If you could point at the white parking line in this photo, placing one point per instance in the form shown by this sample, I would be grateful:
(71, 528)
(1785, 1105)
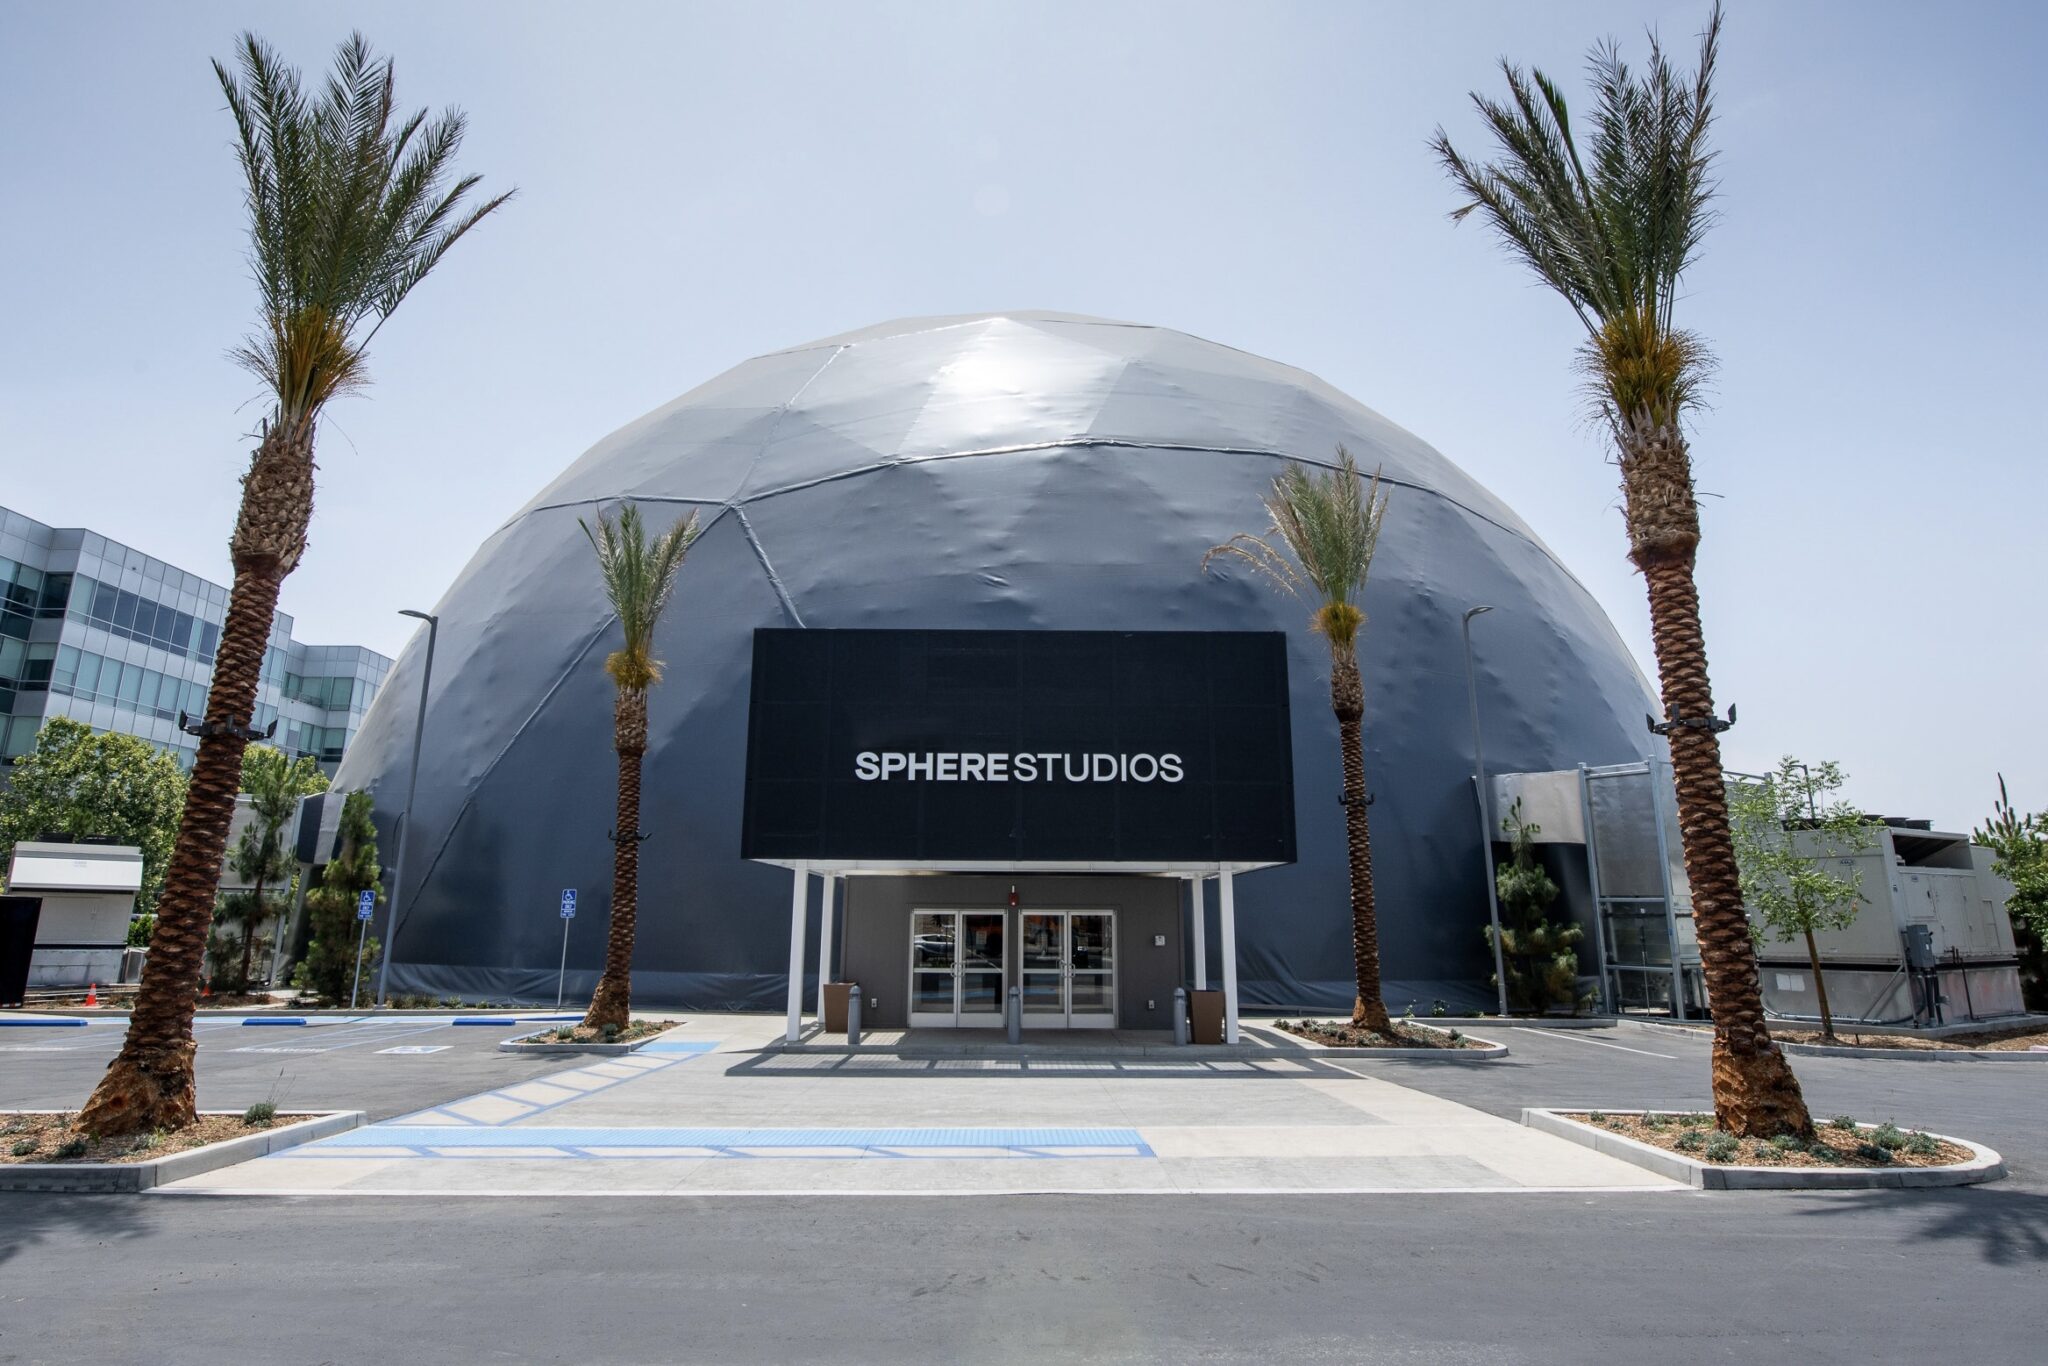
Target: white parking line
(1564, 1034)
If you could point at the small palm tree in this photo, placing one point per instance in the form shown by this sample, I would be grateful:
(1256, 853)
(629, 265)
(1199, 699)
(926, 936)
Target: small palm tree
(639, 575)
(1326, 527)
(1613, 231)
(349, 209)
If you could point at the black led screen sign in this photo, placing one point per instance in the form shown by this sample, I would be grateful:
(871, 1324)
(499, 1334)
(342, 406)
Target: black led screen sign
(1045, 747)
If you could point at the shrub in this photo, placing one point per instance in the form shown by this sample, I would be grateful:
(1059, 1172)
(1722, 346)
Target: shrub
(1789, 1143)
(1653, 1120)
(1921, 1145)
(1691, 1141)
(1842, 1122)
(262, 1112)
(1723, 1148)
(611, 1033)
(1888, 1137)
(71, 1148)
(1456, 1037)
(1438, 1009)
(1596, 1116)
(1693, 1121)
(23, 1148)
(1870, 1152)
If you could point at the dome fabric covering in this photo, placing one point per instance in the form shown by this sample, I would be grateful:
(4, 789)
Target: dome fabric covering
(1016, 471)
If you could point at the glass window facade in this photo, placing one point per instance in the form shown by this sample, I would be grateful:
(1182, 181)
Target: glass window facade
(139, 618)
(95, 630)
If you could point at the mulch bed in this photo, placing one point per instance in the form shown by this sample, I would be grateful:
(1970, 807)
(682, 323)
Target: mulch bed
(48, 1135)
(634, 1032)
(1989, 1039)
(1343, 1034)
(1836, 1143)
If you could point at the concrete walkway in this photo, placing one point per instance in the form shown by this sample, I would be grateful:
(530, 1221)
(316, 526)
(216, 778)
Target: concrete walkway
(710, 1110)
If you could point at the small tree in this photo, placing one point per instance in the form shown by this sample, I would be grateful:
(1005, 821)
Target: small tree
(2020, 842)
(79, 783)
(1537, 952)
(330, 964)
(1786, 828)
(274, 782)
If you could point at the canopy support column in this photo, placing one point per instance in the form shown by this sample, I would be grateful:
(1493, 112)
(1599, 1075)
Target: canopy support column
(1226, 906)
(1200, 935)
(826, 896)
(799, 895)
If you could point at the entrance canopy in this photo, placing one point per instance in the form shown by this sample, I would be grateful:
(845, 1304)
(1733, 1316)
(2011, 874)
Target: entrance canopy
(1162, 753)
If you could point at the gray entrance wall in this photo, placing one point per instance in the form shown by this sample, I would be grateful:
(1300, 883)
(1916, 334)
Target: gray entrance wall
(876, 933)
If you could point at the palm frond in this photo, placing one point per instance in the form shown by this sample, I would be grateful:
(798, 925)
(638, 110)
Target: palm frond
(639, 576)
(350, 207)
(1613, 228)
(1325, 530)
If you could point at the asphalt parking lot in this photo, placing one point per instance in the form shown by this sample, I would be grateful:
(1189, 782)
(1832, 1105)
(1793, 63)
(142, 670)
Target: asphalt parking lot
(385, 1065)
(1651, 1067)
(1484, 1277)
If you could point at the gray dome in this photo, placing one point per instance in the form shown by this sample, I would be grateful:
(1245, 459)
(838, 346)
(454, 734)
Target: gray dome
(1015, 470)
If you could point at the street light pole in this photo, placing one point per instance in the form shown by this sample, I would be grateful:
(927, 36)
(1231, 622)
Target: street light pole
(1500, 972)
(411, 787)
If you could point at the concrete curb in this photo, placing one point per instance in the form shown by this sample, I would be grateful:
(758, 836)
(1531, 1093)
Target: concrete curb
(518, 1044)
(1823, 1050)
(96, 1178)
(1210, 1052)
(1984, 1164)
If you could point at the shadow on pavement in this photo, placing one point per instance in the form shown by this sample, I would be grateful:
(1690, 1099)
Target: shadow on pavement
(29, 1221)
(2008, 1228)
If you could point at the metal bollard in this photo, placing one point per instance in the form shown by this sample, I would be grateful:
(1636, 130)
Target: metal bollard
(1013, 1017)
(1180, 1016)
(853, 1016)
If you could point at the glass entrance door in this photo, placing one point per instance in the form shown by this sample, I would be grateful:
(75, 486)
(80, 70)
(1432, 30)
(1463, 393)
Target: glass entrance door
(956, 968)
(1067, 969)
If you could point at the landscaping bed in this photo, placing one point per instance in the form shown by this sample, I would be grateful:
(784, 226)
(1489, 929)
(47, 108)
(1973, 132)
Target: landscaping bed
(1343, 1034)
(1989, 1041)
(1839, 1142)
(46, 1138)
(636, 1031)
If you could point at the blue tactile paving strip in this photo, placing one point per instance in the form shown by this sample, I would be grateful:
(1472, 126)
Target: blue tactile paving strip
(417, 1140)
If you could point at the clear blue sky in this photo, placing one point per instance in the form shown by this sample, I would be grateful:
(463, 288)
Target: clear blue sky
(700, 183)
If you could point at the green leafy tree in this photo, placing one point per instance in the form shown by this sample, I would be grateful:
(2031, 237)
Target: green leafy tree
(1612, 226)
(77, 783)
(274, 783)
(2020, 842)
(330, 966)
(639, 574)
(351, 203)
(1539, 954)
(1787, 829)
(1319, 548)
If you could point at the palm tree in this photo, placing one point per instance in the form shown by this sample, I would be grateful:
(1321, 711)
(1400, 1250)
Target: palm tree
(638, 577)
(349, 209)
(1613, 231)
(1327, 527)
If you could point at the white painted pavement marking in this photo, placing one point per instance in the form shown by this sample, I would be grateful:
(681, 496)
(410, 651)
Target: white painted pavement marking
(418, 1048)
(1566, 1034)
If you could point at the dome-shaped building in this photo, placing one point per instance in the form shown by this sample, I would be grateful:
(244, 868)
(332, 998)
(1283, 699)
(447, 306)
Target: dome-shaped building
(1014, 472)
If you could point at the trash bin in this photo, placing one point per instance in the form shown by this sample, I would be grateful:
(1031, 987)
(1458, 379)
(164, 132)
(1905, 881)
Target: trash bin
(1205, 1016)
(835, 1006)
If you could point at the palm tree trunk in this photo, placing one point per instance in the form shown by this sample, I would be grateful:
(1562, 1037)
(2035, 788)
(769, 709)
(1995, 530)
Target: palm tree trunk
(613, 1001)
(149, 1084)
(1755, 1093)
(1347, 700)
